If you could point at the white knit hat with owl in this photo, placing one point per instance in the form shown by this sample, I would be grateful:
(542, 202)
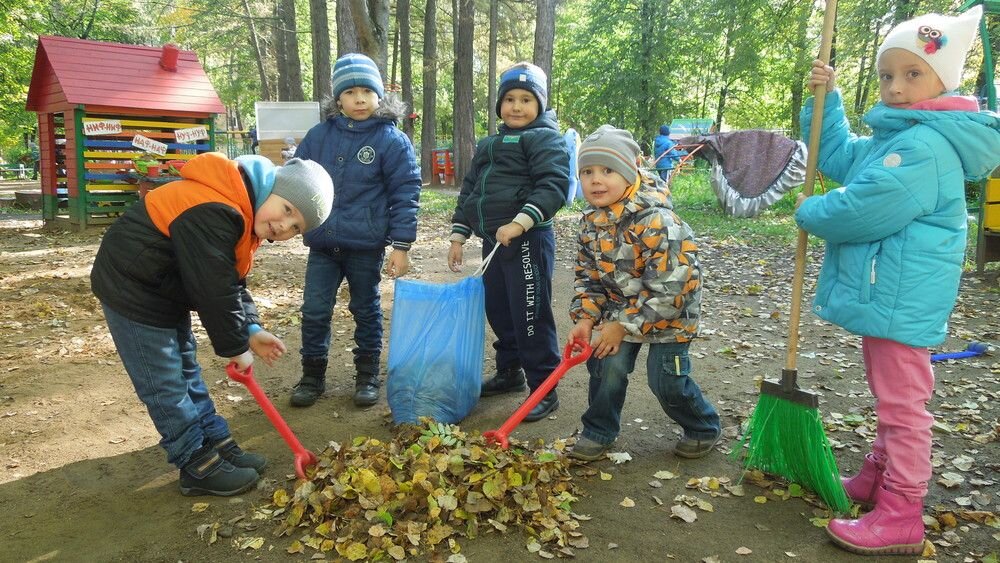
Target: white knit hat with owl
(941, 41)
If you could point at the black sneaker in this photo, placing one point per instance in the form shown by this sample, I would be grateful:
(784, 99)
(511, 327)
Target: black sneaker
(507, 380)
(544, 408)
(234, 454)
(208, 474)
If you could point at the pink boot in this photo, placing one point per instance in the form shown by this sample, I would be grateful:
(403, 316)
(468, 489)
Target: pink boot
(862, 487)
(894, 527)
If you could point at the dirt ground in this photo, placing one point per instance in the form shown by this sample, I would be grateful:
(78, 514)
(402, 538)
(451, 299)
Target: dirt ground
(82, 477)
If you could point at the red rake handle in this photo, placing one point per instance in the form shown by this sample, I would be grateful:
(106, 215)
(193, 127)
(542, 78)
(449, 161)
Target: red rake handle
(499, 436)
(303, 457)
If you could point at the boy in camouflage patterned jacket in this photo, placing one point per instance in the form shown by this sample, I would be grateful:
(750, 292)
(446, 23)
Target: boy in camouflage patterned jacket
(637, 281)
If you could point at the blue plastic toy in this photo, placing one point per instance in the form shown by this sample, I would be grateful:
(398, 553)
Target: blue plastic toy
(972, 350)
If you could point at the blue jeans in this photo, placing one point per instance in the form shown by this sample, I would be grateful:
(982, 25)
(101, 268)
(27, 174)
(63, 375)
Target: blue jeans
(668, 368)
(325, 270)
(164, 370)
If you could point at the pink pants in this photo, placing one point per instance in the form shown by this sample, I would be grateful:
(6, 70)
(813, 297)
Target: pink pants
(901, 380)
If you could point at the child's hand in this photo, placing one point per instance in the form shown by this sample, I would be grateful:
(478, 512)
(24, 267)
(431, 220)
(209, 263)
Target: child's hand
(243, 361)
(509, 232)
(583, 329)
(267, 346)
(609, 339)
(799, 199)
(455, 256)
(822, 75)
(399, 263)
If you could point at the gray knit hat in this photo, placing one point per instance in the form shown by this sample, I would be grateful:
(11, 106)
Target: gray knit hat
(613, 148)
(307, 186)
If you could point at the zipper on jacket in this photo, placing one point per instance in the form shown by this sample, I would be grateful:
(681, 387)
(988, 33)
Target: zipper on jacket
(482, 192)
(872, 260)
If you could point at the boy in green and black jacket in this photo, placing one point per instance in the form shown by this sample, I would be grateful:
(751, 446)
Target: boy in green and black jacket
(517, 181)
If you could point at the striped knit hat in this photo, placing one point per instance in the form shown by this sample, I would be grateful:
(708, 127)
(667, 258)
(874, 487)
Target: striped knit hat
(355, 69)
(612, 148)
(525, 76)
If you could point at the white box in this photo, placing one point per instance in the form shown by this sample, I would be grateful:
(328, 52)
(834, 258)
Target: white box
(277, 120)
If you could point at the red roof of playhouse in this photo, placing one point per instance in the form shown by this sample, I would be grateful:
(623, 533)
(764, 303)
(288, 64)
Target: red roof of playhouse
(70, 72)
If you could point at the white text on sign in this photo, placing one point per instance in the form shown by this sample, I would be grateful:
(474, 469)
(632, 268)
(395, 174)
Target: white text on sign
(147, 144)
(192, 134)
(103, 127)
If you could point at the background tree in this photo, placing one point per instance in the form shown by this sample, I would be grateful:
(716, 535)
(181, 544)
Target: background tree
(545, 33)
(430, 64)
(465, 135)
(321, 63)
(371, 22)
(347, 34)
(406, 65)
(289, 63)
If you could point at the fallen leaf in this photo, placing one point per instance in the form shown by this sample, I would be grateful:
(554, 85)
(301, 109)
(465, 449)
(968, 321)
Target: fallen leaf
(683, 512)
(619, 457)
(627, 503)
(743, 551)
(199, 507)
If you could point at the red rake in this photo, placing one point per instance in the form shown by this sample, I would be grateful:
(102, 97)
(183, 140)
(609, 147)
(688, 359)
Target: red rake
(499, 436)
(303, 457)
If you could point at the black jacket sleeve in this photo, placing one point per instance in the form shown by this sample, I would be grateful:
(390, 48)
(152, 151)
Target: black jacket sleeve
(204, 239)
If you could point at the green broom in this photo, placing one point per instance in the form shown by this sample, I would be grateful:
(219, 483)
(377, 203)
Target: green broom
(785, 435)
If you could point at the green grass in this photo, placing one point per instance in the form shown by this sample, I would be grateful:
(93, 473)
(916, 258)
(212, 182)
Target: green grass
(438, 204)
(693, 200)
(15, 210)
(696, 203)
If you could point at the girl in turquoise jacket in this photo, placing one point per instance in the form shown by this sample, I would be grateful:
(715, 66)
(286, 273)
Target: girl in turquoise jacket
(895, 236)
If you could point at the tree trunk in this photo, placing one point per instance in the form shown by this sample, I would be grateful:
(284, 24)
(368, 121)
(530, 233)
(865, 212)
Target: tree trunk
(803, 62)
(464, 133)
(347, 34)
(428, 127)
(280, 56)
(371, 22)
(320, 50)
(720, 107)
(395, 54)
(406, 63)
(492, 73)
(645, 95)
(862, 103)
(293, 64)
(545, 34)
(265, 91)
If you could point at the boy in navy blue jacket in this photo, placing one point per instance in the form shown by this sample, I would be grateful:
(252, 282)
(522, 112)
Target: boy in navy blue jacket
(516, 183)
(377, 178)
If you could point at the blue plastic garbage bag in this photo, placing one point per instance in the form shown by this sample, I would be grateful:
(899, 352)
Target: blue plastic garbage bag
(436, 340)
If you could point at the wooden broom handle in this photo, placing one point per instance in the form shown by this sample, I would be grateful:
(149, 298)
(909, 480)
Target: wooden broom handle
(815, 130)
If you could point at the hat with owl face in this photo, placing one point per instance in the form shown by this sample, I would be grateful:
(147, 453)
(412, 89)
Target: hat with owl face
(941, 41)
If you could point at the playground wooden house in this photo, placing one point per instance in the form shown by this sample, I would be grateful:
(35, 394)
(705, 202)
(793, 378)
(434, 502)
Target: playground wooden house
(102, 105)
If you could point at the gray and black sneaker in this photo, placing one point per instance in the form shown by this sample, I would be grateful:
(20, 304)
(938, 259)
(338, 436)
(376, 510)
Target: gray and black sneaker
(208, 474)
(586, 449)
(691, 448)
(234, 454)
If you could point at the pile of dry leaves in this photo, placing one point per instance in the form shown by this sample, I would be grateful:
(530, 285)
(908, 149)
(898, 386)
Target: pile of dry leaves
(421, 491)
